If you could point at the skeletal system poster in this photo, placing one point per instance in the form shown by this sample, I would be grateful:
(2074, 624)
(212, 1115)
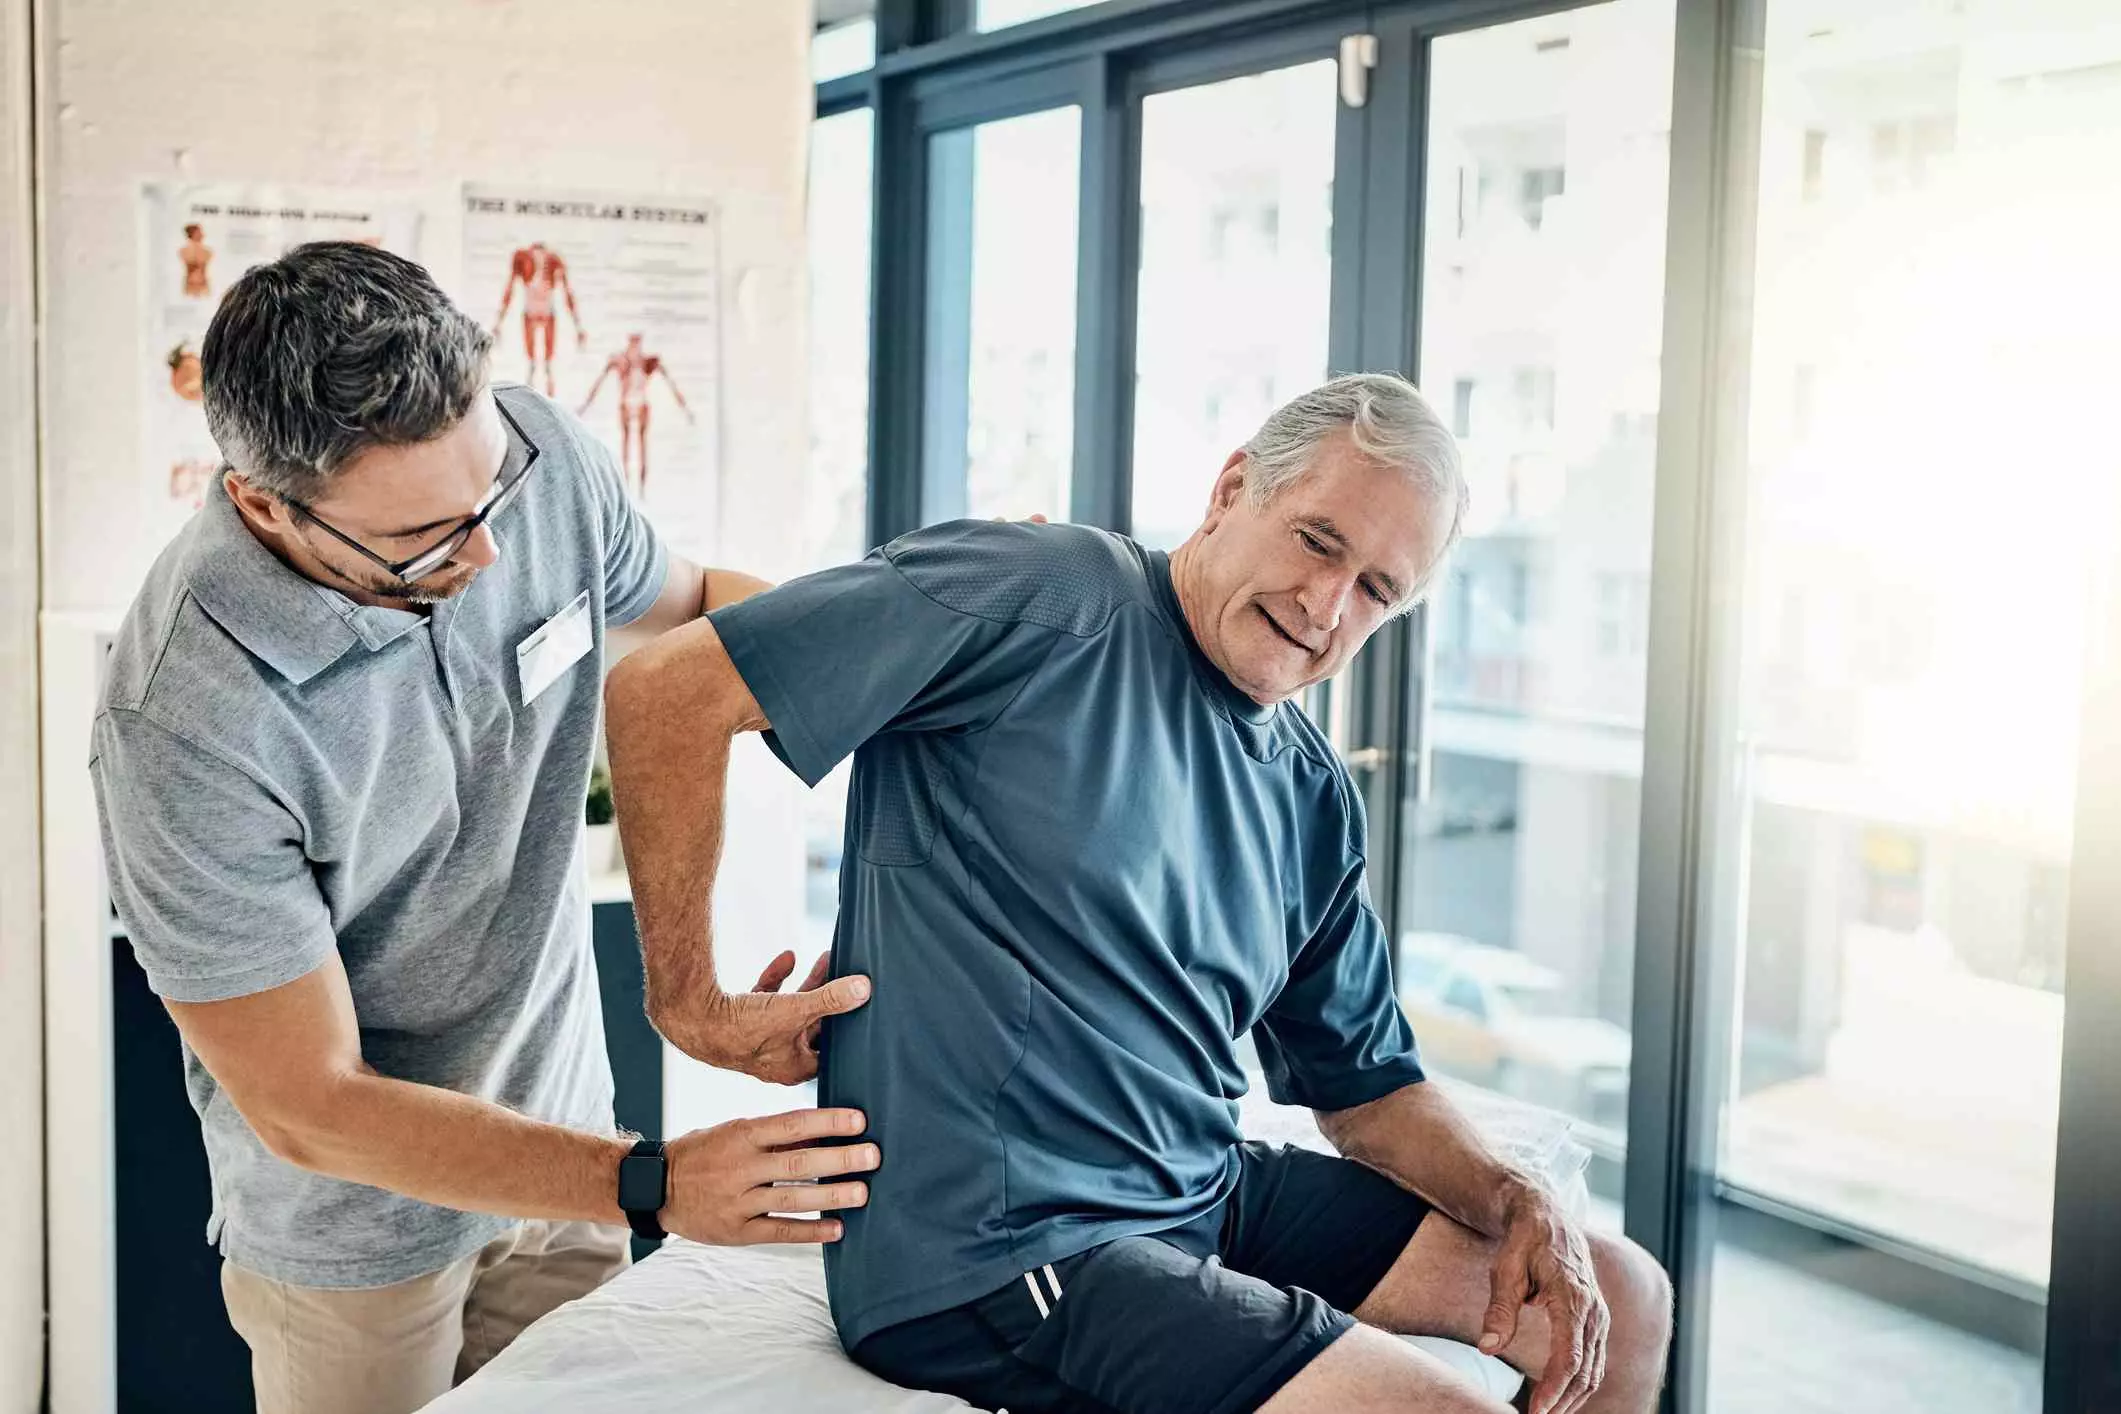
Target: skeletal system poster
(199, 241)
(610, 305)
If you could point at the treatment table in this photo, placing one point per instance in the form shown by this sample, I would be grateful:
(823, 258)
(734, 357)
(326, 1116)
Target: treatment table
(746, 1328)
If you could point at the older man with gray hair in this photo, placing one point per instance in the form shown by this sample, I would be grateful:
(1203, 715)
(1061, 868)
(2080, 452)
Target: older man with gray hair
(341, 761)
(1092, 844)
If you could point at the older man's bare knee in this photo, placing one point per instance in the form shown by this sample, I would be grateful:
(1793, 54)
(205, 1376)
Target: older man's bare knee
(1369, 1372)
(1639, 1295)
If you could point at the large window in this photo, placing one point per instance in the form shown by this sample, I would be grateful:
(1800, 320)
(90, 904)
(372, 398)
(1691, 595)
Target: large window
(1927, 499)
(999, 14)
(1236, 266)
(1542, 279)
(835, 491)
(836, 496)
(1001, 317)
(846, 47)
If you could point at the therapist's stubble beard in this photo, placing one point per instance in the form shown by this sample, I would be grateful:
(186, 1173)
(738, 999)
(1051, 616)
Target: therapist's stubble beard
(445, 583)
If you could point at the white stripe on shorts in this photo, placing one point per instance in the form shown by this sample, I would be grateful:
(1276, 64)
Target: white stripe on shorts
(1038, 1296)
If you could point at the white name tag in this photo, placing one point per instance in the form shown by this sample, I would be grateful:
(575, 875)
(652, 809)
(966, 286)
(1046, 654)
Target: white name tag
(552, 648)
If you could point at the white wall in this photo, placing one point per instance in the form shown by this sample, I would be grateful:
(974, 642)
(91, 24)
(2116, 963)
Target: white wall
(680, 96)
(21, 1030)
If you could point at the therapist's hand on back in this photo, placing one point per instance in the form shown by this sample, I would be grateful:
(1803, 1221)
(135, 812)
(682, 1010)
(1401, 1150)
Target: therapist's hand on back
(732, 1185)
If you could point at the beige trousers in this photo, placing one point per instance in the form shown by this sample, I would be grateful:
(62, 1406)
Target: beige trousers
(391, 1349)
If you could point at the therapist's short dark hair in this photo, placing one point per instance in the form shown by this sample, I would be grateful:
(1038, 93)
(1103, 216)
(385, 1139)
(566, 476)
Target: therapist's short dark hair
(333, 349)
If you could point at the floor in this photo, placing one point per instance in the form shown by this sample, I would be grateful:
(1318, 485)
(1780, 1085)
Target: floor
(1784, 1342)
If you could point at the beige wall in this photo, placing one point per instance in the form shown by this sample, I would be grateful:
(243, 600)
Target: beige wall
(683, 96)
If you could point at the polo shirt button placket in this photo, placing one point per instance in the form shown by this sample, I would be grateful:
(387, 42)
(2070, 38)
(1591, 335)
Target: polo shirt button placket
(439, 619)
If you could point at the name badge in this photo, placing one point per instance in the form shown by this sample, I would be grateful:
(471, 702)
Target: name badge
(552, 648)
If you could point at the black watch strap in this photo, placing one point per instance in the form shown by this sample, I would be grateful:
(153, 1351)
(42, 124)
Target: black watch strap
(644, 1186)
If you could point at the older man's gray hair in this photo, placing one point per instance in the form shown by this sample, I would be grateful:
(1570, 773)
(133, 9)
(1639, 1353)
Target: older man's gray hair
(1389, 421)
(330, 350)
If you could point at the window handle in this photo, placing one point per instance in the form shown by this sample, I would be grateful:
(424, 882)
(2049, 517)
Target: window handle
(1366, 758)
(1358, 55)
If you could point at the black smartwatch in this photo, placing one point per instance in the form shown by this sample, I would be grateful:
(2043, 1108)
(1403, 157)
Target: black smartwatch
(644, 1186)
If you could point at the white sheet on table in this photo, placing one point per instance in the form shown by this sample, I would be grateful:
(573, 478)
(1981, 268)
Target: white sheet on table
(747, 1328)
(720, 1328)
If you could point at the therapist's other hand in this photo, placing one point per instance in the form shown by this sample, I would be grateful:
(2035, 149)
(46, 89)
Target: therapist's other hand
(767, 1032)
(732, 1185)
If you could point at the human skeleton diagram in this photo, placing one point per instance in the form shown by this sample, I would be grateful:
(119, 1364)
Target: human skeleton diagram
(634, 368)
(539, 269)
(197, 256)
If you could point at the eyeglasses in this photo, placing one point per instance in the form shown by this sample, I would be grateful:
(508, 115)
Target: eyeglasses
(505, 488)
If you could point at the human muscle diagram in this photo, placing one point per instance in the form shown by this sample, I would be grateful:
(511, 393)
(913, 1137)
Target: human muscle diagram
(635, 282)
(540, 271)
(633, 367)
(198, 258)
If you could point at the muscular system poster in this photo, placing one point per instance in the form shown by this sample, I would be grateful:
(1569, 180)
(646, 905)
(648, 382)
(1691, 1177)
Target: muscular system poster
(198, 240)
(610, 305)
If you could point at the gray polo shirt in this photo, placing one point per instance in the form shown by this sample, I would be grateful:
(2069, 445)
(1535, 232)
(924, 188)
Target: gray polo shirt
(282, 772)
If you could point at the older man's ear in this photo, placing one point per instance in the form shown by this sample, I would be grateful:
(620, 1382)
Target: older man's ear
(1229, 486)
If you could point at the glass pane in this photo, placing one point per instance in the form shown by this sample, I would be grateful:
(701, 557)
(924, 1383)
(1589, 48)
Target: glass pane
(835, 491)
(1236, 270)
(998, 433)
(842, 49)
(1936, 322)
(1542, 305)
(836, 501)
(997, 14)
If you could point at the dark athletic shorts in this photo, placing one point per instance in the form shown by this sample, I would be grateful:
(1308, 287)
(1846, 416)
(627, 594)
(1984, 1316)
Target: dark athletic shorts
(1209, 1318)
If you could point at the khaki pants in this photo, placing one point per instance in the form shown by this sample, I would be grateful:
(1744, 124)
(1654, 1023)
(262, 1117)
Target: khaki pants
(391, 1349)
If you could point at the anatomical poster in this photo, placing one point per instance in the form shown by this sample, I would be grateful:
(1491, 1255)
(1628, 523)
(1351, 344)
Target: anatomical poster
(609, 305)
(198, 239)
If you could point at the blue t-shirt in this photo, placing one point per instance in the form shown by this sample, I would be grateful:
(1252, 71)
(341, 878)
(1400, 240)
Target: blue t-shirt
(1080, 865)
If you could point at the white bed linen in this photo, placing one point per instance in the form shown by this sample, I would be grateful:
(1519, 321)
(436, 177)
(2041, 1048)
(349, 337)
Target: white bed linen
(747, 1329)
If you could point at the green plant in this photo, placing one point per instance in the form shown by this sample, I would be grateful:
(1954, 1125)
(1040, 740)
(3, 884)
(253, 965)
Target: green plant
(599, 809)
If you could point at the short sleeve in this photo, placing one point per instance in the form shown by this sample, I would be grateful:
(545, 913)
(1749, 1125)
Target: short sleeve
(837, 657)
(635, 560)
(1335, 1036)
(205, 866)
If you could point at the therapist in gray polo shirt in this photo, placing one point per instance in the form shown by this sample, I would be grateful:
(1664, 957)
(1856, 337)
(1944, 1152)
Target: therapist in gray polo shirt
(340, 763)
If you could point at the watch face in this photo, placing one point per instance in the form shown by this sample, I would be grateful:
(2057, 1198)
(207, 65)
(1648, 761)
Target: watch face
(641, 1183)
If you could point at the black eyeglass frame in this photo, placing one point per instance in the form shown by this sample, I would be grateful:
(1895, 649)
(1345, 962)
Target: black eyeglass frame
(443, 551)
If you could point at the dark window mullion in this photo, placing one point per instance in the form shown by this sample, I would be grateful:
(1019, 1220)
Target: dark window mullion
(1101, 485)
(944, 18)
(898, 271)
(2084, 1286)
(1375, 328)
(1683, 993)
(835, 96)
(900, 24)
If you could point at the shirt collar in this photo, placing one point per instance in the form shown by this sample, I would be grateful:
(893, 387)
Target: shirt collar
(293, 624)
(1226, 694)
